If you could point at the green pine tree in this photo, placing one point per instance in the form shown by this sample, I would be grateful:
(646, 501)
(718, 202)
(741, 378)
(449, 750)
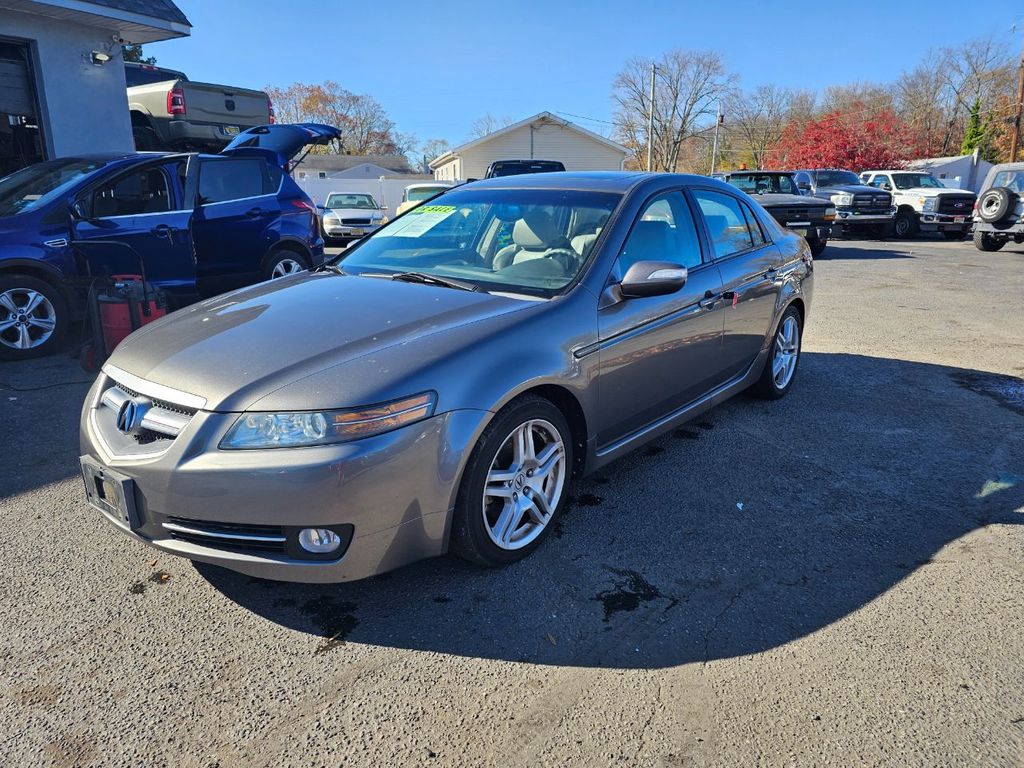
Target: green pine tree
(978, 134)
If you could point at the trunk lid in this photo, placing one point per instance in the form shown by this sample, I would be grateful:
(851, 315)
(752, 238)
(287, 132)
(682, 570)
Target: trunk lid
(282, 141)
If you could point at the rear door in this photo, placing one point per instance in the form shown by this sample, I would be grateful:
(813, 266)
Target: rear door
(659, 353)
(142, 209)
(236, 206)
(281, 142)
(749, 265)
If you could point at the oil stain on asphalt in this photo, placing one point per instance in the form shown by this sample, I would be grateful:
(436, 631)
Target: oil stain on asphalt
(334, 620)
(629, 592)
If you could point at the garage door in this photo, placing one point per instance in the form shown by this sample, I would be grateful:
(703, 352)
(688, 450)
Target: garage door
(15, 86)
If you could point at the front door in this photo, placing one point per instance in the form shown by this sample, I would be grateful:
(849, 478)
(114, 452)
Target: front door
(235, 210)
(749, 266)
(659, 353)
(136, 225)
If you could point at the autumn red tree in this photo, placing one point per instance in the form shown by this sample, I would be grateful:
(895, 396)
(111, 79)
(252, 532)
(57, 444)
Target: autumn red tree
(857, 139)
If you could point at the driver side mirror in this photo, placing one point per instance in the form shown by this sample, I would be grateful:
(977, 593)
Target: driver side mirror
(652, 278)
(78, 211)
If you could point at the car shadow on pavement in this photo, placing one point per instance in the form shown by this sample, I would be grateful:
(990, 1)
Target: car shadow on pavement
(755, 525)
(839, 250)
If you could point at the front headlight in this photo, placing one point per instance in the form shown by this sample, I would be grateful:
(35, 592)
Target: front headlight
(842, 198)
(830, 213)
(305, 428)
(928, 203)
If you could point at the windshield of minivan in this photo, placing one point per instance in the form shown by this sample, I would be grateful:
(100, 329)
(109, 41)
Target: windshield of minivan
(764, 183)
(836, 178)
(533, 242)
(913, 180)
(351, 201)
(37, 185)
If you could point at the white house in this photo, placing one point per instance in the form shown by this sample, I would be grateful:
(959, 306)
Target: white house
(62, 89)
(541, 137)
(962, 172)
(352, 166)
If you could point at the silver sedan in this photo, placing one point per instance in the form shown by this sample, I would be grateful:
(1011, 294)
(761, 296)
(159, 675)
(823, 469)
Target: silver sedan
(440, 386)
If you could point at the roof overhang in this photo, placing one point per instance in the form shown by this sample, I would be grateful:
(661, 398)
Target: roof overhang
(131, 27)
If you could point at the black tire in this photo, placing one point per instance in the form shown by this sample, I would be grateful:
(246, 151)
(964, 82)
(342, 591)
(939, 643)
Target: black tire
(767, 387)
(952, 234)
(905, 225)
(996, 204)
(145, 138)
(469, 537)
(818, 247)
(983, 241)
(16, 288)
(282, 256)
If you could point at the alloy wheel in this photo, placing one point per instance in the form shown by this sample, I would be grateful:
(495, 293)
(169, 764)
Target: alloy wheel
(524, 484)
(286, 267)
(27, 318)
(787, 350)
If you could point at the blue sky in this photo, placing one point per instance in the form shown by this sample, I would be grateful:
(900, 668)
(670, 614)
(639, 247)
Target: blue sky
(436, 67)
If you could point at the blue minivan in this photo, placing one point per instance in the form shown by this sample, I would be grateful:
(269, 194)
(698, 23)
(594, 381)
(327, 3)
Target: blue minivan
(203, 224)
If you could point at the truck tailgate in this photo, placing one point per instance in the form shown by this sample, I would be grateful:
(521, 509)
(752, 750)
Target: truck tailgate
(209, 103)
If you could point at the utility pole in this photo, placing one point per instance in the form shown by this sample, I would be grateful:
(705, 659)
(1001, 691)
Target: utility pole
(1015, 136)
(650, 117)
(714, 147)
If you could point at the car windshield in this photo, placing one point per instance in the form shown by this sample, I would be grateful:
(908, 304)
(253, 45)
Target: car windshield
(914, 180)
(1012, 179)
(836, 178)
(351, 201)
(764, 183)
(35, 186)
(422, 193)
(532, 242)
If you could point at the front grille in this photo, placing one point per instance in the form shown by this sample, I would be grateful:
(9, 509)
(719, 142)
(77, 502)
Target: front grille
(797, 213)
(871, 202)
(356, 222)
(153, 425)
(229, 536)
(956, 205)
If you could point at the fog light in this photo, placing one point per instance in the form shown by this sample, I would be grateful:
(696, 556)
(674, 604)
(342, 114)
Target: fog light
(319, 540)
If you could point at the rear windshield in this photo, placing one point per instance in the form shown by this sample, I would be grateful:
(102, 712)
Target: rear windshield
(764, 183)
(35, 186)
(514, 169)
(146, 74)
(836, 178)
(1012, 179)
(351, 201)
(422, 193)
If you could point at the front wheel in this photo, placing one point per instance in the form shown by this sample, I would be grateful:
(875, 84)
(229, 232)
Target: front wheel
(515, 484)
(780, 367)
(983, 241)
(905, 225)
(818, 247)
(33, 317)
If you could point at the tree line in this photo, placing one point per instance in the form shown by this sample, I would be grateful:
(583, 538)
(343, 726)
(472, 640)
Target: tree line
(956, 100)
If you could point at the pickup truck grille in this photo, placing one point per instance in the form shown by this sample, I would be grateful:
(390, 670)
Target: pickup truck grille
(956, 205)
(784, 215)
(872, 202)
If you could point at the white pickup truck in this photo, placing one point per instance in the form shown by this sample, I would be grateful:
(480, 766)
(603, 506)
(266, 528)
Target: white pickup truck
(923, 204)
(169, 111)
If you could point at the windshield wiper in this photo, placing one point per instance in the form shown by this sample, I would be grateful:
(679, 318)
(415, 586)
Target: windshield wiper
(329, 267)
(427, 279)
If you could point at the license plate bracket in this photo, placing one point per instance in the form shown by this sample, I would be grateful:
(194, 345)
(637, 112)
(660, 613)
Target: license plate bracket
(231, 130)
(959, 219)
(110, 492)
(357, 232)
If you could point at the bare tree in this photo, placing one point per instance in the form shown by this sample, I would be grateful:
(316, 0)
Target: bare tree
(687, 88)
(756, 121)
(488, 124)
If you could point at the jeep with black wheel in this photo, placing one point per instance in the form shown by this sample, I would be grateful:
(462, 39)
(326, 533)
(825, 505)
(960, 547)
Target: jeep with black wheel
(999, 212)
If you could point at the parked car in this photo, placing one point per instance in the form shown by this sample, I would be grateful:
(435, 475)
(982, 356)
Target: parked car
(778, 194)
(415, 194)
(999, 212)
(516, 167)
(859, 209)
(169, 111)
(432, 390)
(204, 224)
(350, 216)
(923, 204)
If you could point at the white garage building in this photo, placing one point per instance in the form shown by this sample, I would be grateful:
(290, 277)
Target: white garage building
(541, 137)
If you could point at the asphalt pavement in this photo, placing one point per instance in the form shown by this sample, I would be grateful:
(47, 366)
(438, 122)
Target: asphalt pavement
(832, 579)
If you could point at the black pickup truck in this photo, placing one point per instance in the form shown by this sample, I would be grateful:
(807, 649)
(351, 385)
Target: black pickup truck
(777, 193)
(859, 208)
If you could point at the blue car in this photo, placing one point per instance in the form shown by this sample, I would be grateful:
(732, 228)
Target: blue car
(203, 224)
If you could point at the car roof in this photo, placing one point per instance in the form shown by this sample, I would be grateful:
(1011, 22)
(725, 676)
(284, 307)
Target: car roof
(585, 181)
(753, 170)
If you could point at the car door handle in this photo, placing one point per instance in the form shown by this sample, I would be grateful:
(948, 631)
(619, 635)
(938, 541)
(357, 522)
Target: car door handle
(771, 273)
(162, 230)
(709, 300)
(252, 213)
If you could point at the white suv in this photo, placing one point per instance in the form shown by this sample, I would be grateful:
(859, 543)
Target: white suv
(923, 204)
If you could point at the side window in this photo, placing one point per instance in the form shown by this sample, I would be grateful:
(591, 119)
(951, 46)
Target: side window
(880, 181)
(143, 191)
(755, 227)
(234, 179)
(726, 222)
(803, 178)
(664, 231)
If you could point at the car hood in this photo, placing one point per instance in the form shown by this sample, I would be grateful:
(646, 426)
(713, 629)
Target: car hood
(933, 192)
(858, 189)
(769, 199)
(238, 348)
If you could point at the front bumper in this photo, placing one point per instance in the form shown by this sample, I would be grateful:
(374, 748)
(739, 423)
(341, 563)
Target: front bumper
(944, 222)
(349, 231)
(391, 494)
(846, 216)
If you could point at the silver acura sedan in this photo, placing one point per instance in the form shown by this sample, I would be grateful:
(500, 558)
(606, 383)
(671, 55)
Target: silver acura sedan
(442, 384)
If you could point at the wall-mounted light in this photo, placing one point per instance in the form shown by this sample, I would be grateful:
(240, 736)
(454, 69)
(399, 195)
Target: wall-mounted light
(99, 58)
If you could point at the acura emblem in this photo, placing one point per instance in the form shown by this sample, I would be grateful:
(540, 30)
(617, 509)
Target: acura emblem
(126, 416)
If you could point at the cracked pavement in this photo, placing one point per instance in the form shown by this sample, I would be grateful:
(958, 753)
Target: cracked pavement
(863, 607)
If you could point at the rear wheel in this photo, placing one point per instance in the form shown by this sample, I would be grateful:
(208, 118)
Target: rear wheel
(33, 317)
(515, 484)
(780, 367)
(983, 241)
(145, 138)
(284, 262)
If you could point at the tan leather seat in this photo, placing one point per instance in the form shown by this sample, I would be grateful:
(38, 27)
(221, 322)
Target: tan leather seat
(533, 237)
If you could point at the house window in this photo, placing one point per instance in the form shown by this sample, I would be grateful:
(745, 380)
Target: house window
(302, 175)
(322, 175)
